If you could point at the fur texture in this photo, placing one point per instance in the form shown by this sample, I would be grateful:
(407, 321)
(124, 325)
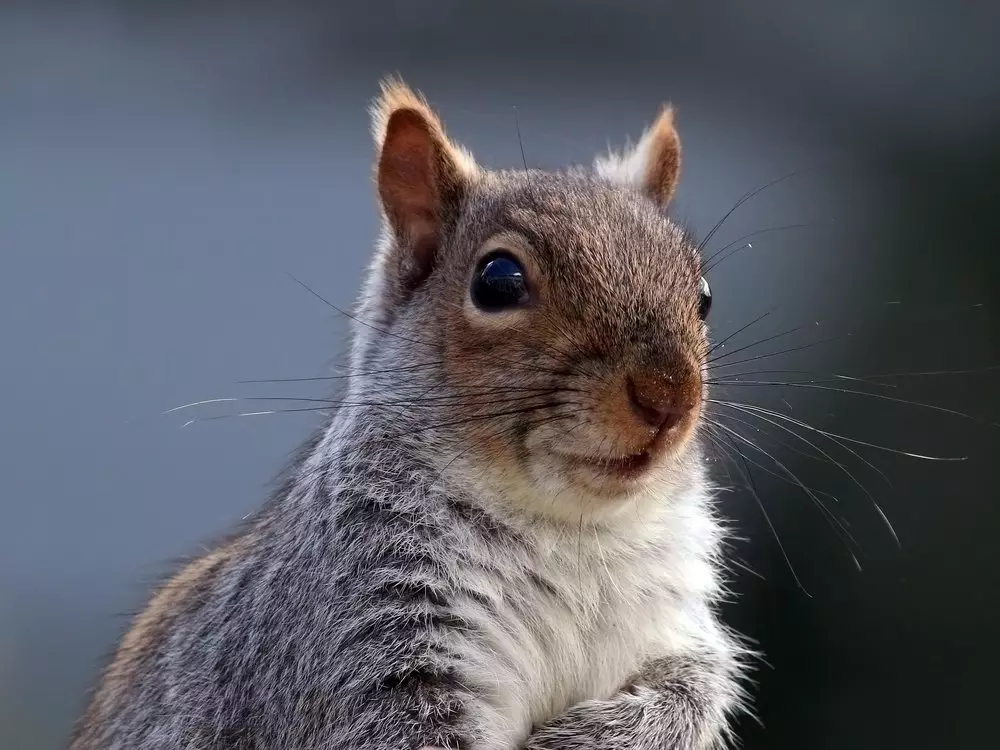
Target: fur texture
(438, 571)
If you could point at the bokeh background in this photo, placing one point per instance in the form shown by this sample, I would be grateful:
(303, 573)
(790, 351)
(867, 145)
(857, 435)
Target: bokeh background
(164, 167)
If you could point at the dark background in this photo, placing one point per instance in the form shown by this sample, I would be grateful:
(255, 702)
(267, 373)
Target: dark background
(164, 166)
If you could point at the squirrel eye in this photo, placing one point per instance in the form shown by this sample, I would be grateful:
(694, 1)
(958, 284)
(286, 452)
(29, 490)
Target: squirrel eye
(705, 303)
(499, 283)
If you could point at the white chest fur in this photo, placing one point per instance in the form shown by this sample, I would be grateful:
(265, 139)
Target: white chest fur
(589, 608)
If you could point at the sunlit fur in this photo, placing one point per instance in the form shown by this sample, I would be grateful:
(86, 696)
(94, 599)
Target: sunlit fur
(431, 573)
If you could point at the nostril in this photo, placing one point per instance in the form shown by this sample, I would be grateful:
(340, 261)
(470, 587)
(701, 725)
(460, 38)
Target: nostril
(654, 403)
(671, 418)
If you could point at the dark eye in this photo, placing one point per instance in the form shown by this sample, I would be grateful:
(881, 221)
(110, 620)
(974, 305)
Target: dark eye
(705, 303)
(499, 283)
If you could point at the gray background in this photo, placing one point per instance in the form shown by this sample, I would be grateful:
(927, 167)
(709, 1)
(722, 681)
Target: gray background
(164, 166)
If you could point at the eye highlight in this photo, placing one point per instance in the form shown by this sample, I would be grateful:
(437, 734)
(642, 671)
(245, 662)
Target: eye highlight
(705, 302)
(499, 283)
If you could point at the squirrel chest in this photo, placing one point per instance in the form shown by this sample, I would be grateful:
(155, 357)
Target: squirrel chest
(568, 619)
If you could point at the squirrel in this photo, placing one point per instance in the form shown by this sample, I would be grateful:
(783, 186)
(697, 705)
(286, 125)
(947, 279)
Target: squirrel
(504, 537)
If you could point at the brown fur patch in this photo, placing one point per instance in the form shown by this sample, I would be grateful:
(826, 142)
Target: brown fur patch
(409, 185)
(396, 95)
(663, 162)
(421, 178)
(148, 628)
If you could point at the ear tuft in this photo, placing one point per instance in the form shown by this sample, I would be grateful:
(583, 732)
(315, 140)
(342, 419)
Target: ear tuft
(421, 178)
(396, 95)
(653, 165)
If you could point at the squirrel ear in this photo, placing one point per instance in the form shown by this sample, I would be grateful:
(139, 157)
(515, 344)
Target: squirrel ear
(653, 165)
(421, 177)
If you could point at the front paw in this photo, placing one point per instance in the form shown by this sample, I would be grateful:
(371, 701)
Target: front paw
(615, 724)
(639, 718)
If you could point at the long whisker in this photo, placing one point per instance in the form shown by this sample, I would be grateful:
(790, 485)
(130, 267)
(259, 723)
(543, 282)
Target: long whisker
(744, 567)
(779, 415)
(776, 475)
(557, 355)
(799, 451)
(356, 319)
(566, 357)
(852, 392)
(737, 332)
(827, 377)
(751, 485)
(837, 523)
(347, 374)
(264, 412)
(520, 141)
(480, 417)
(416, 401)
(317, 295)
(830, 458)
(713, 361)
(791, 350)
(799, 423)
(513, 428)
(203, 402)
(969, 371)
(740, 202)
(707, 265)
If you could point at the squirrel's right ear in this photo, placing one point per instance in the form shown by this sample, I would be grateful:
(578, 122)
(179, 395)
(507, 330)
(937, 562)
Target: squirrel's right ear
(421, 175)
(653, 165)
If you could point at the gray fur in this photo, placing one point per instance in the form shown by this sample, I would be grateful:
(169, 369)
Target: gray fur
(410, 585)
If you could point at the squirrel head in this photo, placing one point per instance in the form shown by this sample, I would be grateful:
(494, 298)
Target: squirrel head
(543, 333)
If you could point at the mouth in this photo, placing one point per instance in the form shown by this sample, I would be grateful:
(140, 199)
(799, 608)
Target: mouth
(625, 468)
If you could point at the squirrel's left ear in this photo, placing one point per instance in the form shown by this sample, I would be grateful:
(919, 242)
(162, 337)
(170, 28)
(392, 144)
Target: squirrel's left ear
(653, 165)
(421, 175)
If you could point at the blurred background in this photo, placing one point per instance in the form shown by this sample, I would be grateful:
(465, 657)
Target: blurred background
(165, 166)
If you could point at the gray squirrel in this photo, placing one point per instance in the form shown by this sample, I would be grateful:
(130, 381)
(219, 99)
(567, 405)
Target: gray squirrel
(504, 537)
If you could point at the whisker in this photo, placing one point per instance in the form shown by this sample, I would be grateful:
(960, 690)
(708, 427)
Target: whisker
(317, 295)
(520, 141)
(707, 265)
(481, 417)
(330, 406)
(830, 458)
(787, 445)
(513, 428)
(318, 409)
(740, 202)
(415, 401)
(927, 373)
(203, 402)
(854, 441)
(712, 366)
(578, 368)
(736, 333)
(775, 474)
(743, 566)
(345, 375)
(838, 525)
(799, 423)
(852, 392)
(751, 485)
(758, 343)
(553, 352)
(524, 160)
(356, 319)
(828, 377)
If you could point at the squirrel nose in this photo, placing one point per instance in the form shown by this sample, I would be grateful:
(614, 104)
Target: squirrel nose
(655, 400)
